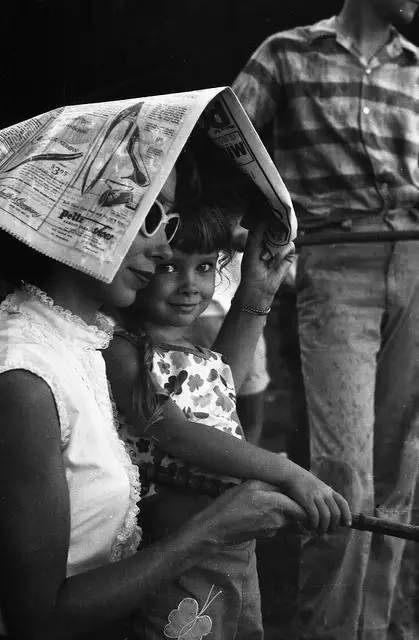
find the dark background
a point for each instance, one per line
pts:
(55, 52)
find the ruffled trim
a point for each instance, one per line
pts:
(101, 331)
(129, 535)
(9, 303)
(101, 326)
(56, 391)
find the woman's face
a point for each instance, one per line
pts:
(139, 265)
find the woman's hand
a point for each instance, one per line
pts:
(253, 509)
(261, 278)
(325, 508)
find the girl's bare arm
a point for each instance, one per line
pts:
(219, 452)
(260, 280)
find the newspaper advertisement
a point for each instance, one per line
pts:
(77, 182)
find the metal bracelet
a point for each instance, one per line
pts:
(253, 311)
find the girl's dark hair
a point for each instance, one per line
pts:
(211, 193)
(205, 230)
(147, 401)
(207, 175)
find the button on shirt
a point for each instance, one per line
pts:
(343, 126)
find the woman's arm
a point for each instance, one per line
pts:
(37, 601)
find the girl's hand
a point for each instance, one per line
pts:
(325, 508)
(260, 278)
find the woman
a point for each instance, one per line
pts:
(69, 560)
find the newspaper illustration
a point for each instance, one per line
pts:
(77, 182)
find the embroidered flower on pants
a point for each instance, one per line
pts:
(187, 622)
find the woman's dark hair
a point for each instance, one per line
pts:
(19, 263)
(147, 401)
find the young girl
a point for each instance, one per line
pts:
(69, 560)
(220, 594)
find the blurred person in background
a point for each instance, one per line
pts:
(340, 99)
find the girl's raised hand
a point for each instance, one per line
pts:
(261, 278)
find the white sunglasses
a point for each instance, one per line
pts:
(157, 217)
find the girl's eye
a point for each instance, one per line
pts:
(165, 268)
(206, 266)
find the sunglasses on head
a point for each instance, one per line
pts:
(157, 217)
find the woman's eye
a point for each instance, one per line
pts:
(165, 268)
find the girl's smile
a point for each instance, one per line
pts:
(184, 307)
(179, 292)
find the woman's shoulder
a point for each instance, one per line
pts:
(35, 364)
(32, 372)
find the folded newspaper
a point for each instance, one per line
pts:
(77, 182)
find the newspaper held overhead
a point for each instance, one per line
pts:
(77, 182)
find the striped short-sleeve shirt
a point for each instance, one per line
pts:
(345, 129)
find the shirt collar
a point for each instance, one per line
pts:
(398, 43)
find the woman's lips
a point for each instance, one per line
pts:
(143, 276)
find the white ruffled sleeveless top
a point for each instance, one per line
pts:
(63, 350)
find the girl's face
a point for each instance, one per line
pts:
(181, 289)
(139, 265)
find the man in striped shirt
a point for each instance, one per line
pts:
(340, 100)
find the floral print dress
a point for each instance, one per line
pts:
(201, 383)
(219, 596)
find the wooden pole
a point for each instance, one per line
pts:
(181, 478)
(343, 237)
